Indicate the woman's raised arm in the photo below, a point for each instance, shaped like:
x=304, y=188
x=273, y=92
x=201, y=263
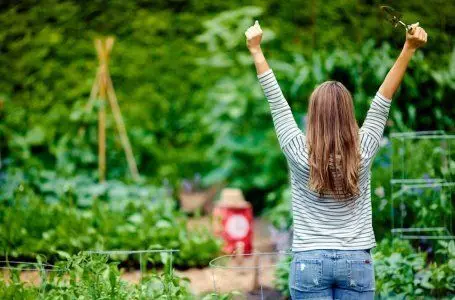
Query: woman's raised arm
x=416, y=38
x=253, y=42
x=379, y=110
x=285, y=126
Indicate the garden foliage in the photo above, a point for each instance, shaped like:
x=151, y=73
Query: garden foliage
x=89, y=276
x=187, y=87
x=192, y=104
x=30, y=226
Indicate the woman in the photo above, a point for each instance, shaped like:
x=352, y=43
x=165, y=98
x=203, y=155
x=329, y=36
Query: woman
x=330, y=178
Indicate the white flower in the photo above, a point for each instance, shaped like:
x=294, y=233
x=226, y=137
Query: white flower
x=380, y=192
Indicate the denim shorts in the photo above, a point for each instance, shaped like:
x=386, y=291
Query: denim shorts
x=332, y=274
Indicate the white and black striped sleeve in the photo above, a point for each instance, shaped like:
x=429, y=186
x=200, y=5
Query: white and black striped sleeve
x=376, y=118
x=285, y=126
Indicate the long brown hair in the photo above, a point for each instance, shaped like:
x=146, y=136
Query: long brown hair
x=333, y=142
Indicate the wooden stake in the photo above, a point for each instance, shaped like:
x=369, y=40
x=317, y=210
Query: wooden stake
x=102, y=138
x=112, y=97
x=95, y=89
x=103, y=57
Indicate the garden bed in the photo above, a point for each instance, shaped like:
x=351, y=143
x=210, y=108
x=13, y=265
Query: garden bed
x=201, y=279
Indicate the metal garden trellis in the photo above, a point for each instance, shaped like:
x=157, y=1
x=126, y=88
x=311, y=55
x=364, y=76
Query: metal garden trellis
x=445, y=230
x=141, y=254
x=44, y=268
x=243, y=263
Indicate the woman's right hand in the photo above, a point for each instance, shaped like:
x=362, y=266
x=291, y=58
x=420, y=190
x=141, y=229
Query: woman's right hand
x=253, y=37
x=415, y=38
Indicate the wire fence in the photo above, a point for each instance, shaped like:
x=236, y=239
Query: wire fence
x=252, y=273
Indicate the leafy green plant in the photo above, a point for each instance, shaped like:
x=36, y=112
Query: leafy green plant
x=282, y=275
x=94, y=276
x=403, y=272
x=81, y=189
x=91, y=276
x=30, y=226
x=279, y=211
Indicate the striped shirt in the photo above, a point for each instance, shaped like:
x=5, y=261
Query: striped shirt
x=321, y=221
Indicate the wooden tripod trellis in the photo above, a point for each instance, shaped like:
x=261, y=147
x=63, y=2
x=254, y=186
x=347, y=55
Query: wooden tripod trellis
x=103, y=90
